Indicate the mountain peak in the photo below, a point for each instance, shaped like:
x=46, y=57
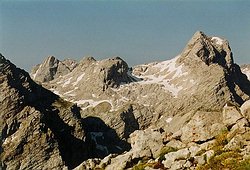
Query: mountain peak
x=52, y=68
x=210, y=50
x=199, y=34
x=88, y=59
x=51, y=60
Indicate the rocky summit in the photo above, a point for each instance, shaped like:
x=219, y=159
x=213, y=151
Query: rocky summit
x=52, y=68
x=190, y=112
x=39, y=130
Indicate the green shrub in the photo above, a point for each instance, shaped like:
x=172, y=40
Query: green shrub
x=243, y=165
x=225, y=159
x=143, y=165
x=220, y=141
x=199, y=153
x=139, y=166
x=165, y=150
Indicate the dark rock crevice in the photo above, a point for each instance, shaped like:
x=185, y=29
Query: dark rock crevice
x=131, y=124
x=101, y=138
x=73, y=150
x=236, y=78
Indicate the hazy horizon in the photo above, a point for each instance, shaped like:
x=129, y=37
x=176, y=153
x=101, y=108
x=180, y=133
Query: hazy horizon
x=137, y=31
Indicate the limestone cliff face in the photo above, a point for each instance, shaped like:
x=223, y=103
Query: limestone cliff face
x=199, y=140
x=52, y=68
x=203, y=77
x=171, y=112
x=38, y=129
x=210, y=50
x=209, y=61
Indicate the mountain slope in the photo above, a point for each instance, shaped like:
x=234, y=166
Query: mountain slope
x=204, y=124
x=52, y=68
x=39, y=130
x=174, y=114
x=203, y=77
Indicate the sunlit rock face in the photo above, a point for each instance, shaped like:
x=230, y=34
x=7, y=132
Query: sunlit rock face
x=39, y=130
x=173, y=114
x=52, y=68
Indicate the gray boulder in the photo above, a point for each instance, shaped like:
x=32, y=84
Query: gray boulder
x=245, y=110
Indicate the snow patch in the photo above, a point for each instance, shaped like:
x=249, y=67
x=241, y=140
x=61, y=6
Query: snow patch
x=162, y=81
x=168, y=120
x=134, y=78
x=218, y=40
x=69, y=93
x=118, y=147
x=178, y=72
x=78, y=79
x=94, y=136
x=55, y=91
x=246, y=72
x=172, y=88
x=167, y=71
x=35, y=74
x=67, y=82
x=170, y=66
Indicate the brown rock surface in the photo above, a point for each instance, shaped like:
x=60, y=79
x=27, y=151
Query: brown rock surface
x=203, y=77
x=52, y=68
x=176, y=114
x=38, y=129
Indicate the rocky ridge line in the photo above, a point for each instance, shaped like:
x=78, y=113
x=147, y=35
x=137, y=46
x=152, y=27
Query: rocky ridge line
x=203, y=77
x=187, y=112
x=38, y=129
x=52, y=68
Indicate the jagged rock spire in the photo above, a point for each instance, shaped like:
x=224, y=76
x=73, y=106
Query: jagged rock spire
x=211, y=50
x=52, y=68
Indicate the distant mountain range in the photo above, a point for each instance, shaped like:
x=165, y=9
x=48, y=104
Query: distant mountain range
x=183, y=113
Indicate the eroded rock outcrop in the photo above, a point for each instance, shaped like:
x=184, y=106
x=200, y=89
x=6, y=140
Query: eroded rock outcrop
x=216, y=141
x=176, y=114
x=38, y=129
x=211, y=50
x=52, y=68
x=203, y=77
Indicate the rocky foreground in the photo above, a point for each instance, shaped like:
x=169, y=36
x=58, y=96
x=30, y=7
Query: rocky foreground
x=190, y=112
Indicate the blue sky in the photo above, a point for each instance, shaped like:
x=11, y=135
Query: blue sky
x=137, y=31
